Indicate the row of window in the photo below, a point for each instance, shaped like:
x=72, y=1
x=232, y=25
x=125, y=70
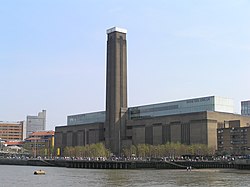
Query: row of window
x=234, y=142
x=239, y=142
x=6, y=135
x=233, y=130
x=238, y=130
x=8, y=132
x=37, y=145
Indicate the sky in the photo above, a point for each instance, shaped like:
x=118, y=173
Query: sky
x=53, y=53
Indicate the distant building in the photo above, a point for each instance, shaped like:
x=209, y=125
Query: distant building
x=233, y=138
x=11, y=131
x=13, y=147
x=190, y=121
x=36, y=123
x=40, y=143
x=14, y=143
x=187, y=128
x=80, y=119
x=245, y=108
x=211, y=103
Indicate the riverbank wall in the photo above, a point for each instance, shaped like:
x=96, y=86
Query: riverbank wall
x=120, y=164
x=148, y=165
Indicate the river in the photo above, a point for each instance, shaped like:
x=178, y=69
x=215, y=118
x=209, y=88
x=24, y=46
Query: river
x=21, y=176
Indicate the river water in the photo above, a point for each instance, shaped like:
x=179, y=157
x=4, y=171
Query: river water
x=23, y=176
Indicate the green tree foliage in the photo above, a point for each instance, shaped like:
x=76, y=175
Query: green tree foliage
x=171, y=150
x=39, y=149
x=93, y=150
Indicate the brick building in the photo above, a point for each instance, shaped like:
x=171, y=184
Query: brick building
x=11, y=131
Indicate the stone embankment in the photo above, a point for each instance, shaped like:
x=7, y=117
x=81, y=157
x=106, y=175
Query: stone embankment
x=120, y=164
x=147, y=164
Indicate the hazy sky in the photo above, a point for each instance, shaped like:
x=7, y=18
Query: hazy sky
x=53, y=53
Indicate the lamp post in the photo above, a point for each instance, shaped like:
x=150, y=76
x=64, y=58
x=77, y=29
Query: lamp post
x=1, y=145
x=35, y=148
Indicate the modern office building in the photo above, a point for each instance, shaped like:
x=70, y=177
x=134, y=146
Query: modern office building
x=187, y=121
x=245, y=108
x=36, y=123
x=11, y=131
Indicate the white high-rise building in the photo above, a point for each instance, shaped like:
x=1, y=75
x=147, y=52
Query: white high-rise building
x=36, y=123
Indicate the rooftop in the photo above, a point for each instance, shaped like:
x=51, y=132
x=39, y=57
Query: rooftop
x=42, y=133
x=116, y=29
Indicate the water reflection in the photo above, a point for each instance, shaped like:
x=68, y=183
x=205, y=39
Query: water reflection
x=23, y=176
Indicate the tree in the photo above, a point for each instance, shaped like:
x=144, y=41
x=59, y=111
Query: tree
x=126, y=151
x=133, y=150
x=93, y=150
x=141, y=150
